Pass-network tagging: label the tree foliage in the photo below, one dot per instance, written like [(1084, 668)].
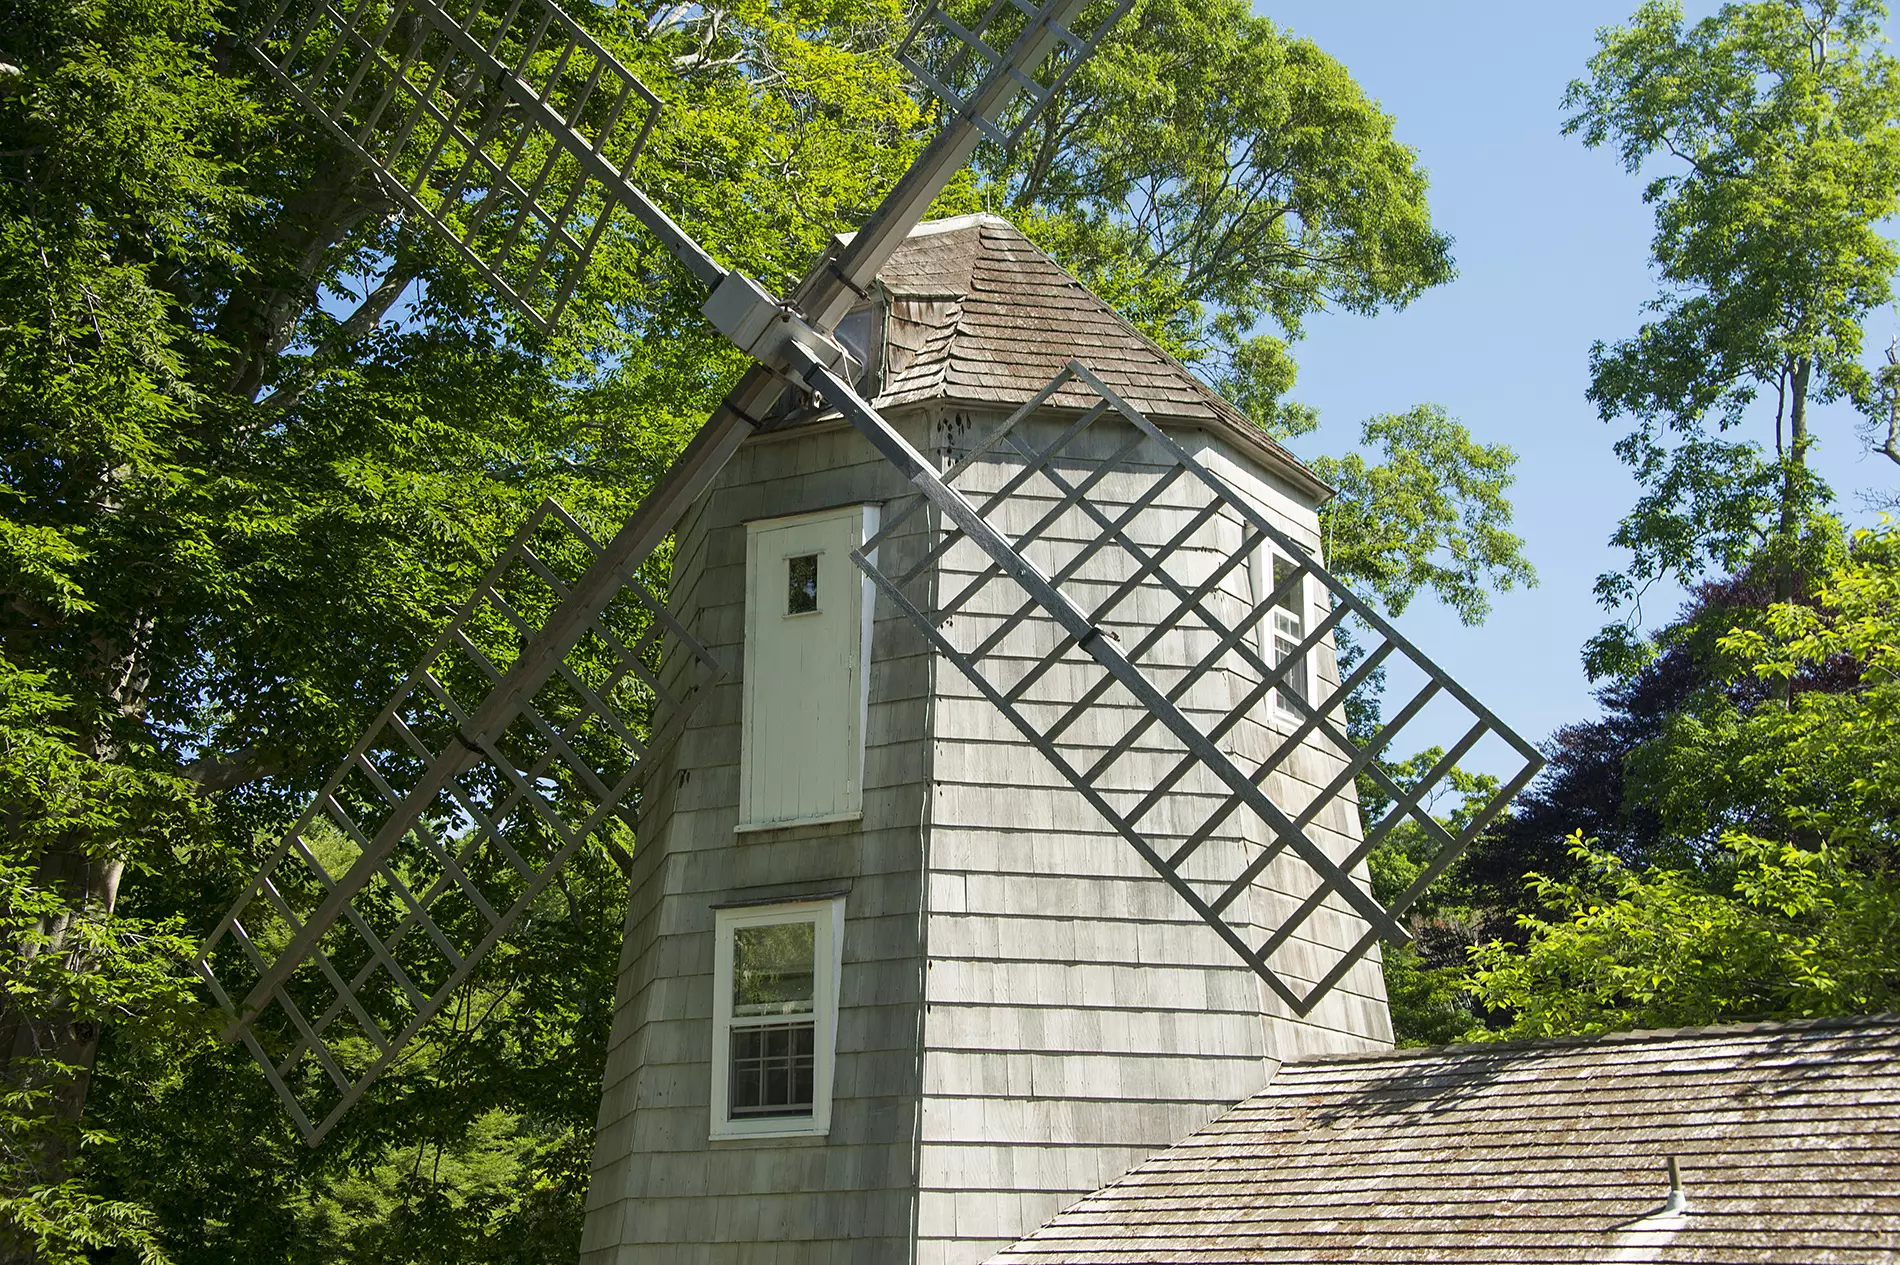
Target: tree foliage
[(1219, 180), (1425, 982), (1433, 515), (1208, 170), (74, 976), (1786, 899), (1777, 124), (240, 496)]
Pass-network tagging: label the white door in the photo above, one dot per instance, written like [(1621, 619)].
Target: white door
[(807, 668)]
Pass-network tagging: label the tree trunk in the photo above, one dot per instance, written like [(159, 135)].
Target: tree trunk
[(47, 1046), (89, 886), (260, 318), (1794, 481)]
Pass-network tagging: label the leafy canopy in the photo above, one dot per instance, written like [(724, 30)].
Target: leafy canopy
[(1776, 125), (238, 499), (1215, 177), (258, 436), (1208, 170), (1432, 515), (1792, 904)]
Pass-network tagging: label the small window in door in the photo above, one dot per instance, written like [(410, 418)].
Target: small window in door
[(801, 584)]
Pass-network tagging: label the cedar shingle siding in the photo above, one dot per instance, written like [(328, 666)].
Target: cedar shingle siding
[(1788, 1137)]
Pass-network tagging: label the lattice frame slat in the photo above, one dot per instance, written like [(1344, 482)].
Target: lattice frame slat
[(512, 133), (957, 62), (443, 801)]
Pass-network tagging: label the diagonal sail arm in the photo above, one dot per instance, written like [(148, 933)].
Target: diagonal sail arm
[(1086, 634), (457, 807), (540, 659)]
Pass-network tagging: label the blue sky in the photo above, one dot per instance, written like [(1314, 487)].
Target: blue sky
[(1552, 248)]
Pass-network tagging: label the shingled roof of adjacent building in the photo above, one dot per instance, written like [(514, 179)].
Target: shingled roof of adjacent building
[(1788, 1138), (979, 315)]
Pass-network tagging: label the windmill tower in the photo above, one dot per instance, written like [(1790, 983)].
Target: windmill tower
[(891, 990), (996, 818)]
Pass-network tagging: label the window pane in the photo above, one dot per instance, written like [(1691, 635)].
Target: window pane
[(801, 590), (1282, 570), (774, 1070), (773, 969), (1289, 629), (1294, 682)]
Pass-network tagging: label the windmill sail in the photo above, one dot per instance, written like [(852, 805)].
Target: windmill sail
[(512, 132), (498, 759), (1041, 643), (957, 62)]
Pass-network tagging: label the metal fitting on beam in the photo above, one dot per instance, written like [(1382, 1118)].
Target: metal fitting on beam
[(766, 329)]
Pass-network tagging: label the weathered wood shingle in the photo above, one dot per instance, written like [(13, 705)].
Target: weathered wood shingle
[(979, 315), (1787, 1136)]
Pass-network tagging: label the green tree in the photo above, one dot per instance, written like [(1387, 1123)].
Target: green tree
[(1208, 170), (1434, 514), (1790, 902), (239, 498), (1211, 174), (1425, 981), (1778, 124)]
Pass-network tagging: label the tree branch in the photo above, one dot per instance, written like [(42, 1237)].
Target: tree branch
[(214, 773), (360, 322), (1891, 449)]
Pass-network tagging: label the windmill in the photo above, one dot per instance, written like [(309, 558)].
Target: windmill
[(517, 738)]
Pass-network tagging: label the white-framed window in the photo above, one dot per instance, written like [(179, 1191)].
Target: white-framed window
[(1282, 629), (807, 669), (775, 1017)]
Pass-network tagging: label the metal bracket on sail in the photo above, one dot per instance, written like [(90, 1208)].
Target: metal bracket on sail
[(1140, 654)]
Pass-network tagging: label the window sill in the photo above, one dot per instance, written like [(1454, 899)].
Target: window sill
[(756, 827), (773, 1130)]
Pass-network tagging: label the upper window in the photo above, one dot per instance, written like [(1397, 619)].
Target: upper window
[(807, 669), (775, 1010), (1289, 630), (1283, 629)]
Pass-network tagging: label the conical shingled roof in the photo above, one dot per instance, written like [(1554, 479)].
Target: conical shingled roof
[(979, 315)]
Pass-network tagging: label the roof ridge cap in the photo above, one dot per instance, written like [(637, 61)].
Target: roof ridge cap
[(1634, 1036), (948, 224)]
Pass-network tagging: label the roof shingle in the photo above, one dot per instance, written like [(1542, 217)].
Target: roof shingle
[(1788, 1137), (978, 314)]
